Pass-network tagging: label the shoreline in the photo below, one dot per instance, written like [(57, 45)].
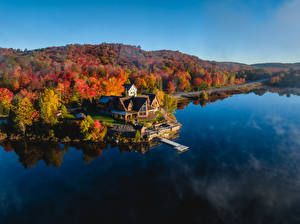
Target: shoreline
[(166, 130), (119, 138), (196, 94)]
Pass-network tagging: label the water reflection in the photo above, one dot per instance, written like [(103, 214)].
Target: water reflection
[(52, 153), (243, 166), (219, 96)]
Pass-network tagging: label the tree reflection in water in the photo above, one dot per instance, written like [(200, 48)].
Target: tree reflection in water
[(30, 154), (52, 153)]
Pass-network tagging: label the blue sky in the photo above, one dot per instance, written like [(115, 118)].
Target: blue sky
[(222, 30)]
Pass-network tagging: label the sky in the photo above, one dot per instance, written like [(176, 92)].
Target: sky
[(223, 30)]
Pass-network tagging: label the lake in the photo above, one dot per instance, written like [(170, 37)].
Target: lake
[(243, 166)]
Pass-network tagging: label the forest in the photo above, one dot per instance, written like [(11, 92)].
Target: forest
[(289, 78), (89, 71)]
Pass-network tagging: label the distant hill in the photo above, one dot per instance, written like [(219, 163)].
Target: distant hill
[(234, 66), (280, 66)]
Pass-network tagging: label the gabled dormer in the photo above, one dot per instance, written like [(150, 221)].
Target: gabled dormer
[(130, 90), (153, 101)]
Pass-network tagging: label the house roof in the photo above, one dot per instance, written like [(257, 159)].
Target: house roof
[(139, 101), (151, 97), (104, 99), (123, 128), (125, 101)]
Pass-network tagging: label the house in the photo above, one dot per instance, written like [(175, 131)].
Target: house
[(130, 90), (129, 107)]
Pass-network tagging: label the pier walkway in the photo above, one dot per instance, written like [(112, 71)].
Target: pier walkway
[(177, 146)]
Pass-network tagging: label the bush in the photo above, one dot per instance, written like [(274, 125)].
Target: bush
[(4, 109), (137, 136), (204, 95), (92, 130), (3, 136)]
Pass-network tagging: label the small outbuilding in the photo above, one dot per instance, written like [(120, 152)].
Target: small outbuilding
[(80, 116)]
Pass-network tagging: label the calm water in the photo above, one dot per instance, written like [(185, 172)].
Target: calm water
[(243, 166)]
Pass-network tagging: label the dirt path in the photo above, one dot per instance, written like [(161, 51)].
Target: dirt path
[(197, 93)]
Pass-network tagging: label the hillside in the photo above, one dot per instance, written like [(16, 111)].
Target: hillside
[(234, 66), (88, 71), (278, 66)]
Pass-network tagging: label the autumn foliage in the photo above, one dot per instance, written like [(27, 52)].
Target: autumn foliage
[(80, 72), (6, 95), (92, 130)]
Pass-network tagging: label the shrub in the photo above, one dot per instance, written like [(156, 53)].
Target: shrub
[(92, 130), (137, 136)]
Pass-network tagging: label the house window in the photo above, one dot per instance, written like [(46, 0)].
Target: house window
[(143, 110), (132, 93), (143, 113)]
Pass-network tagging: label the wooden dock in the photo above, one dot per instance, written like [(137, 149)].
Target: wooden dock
[(177, 146)]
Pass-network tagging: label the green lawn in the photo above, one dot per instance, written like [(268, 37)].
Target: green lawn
[(105, 118), (70, 117)]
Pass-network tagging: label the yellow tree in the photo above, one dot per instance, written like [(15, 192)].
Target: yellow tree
[(168, 102), (150, 81), (23, 113), (113, 86), (160, 96), (49, 102)]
